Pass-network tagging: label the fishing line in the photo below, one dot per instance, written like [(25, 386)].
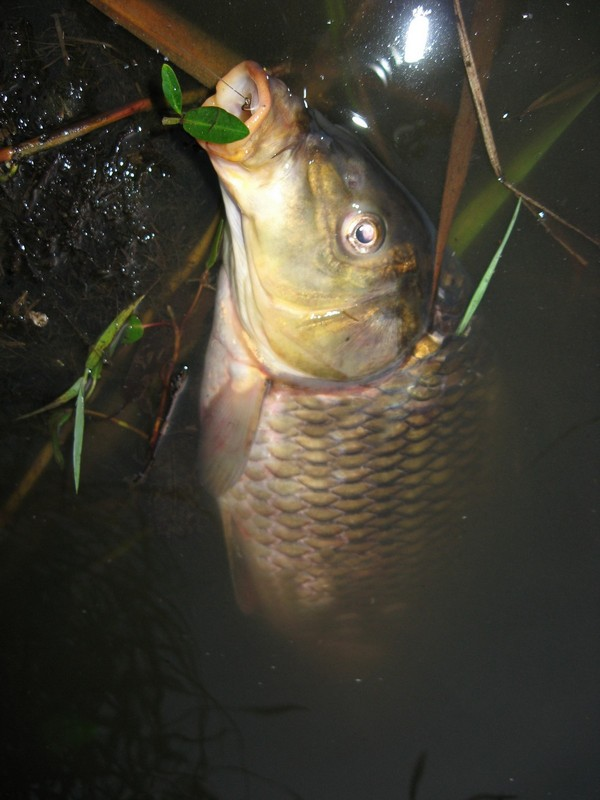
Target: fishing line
[(246, 106)]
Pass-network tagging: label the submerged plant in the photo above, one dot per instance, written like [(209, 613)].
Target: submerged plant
[(124, 326), (487, 275)]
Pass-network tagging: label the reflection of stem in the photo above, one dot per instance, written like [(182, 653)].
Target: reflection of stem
[(121, 423), (29, 480), (163, 406), (168, 395)]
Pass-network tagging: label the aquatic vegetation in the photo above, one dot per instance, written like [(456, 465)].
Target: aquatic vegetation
[(463, 229), (483, 208), (126, 325)]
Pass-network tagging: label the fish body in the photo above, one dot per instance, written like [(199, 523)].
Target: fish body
[(340, 425)]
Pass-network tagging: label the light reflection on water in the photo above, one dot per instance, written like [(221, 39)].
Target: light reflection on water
[(497, 670)]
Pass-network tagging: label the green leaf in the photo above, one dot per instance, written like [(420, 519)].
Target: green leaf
[(487, 277), (213, 124), (78, 435), (171, 88), (134, 330)]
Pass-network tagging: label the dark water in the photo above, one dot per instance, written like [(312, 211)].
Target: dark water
[(127, 669)]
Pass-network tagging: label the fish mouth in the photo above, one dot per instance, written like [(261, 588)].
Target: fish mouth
[(276, 120), (244, 92)]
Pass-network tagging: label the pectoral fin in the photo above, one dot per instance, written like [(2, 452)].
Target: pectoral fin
[(229, 425)]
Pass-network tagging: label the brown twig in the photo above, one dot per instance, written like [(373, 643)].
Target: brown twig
[(45, 142), (538, 207), (78, 129), (170, 391), (488, 137), (477, 92)]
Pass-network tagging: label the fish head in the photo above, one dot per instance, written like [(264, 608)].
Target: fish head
[(329, 259)]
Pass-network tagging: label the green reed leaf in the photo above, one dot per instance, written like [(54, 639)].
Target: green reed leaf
[(69, 394), (78, 434), (487, 277)]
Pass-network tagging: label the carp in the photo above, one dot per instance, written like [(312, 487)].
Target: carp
[(341, 421)]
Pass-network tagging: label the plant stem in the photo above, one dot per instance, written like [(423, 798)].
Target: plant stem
[(45, 142), (78, 129)]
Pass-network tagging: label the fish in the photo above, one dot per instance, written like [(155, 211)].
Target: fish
[(342, 421)]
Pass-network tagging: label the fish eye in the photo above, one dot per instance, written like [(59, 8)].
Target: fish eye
[(362, 233)]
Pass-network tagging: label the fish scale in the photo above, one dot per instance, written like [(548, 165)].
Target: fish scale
[(359, 493)]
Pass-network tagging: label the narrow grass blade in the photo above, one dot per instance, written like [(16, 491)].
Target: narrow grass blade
[(58, 420), (71, 392), (487, 277), (78, 434)]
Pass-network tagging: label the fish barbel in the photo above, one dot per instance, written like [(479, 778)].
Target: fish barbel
[(339, 423)]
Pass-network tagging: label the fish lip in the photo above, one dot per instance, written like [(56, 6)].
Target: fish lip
[(247, 79)]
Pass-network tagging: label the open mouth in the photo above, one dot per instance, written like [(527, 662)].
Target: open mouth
[(245, 93)]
